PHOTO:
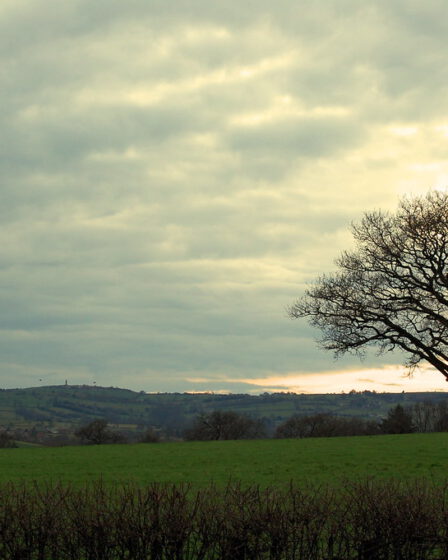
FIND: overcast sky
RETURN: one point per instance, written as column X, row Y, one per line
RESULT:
column 173, row 174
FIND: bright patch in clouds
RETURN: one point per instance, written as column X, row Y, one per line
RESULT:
column 404, row 130
column 386, row 379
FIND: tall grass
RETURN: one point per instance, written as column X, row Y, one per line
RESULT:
column 361, row 520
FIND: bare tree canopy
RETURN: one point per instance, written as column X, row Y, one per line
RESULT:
column 392, row 289
column 225, row 424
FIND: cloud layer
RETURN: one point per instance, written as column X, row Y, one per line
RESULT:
column 173, row 176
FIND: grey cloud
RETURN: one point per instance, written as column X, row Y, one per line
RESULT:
column 63, row 135
column 384, row 58
column 147, row 234
column 307, row 137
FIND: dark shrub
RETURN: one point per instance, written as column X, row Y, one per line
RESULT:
column 398, row 421
column 325, row 425
column 225, row 425
column 6, row 440
column 97, row 432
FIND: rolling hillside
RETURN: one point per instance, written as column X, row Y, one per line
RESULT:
column 68, row 406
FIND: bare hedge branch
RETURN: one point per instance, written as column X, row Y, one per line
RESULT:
column 361, row 520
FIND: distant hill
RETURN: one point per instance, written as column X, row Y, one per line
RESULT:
column 68, row 406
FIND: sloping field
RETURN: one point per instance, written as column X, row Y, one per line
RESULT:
column 264, row 462
column 68, row 406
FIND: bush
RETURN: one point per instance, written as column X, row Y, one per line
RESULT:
column 398, row 421
column 225, row 425
column 150, row 436
column 97, row 432
column 325, row 425
column 361, row 520
column 6, row 440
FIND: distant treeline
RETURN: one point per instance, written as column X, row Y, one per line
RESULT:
column 361, row 520
column 54, row 411
column 229, row 425
column 419, row 417
column 423, row 417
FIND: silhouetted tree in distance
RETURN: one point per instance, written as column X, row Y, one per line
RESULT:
column 149, row 436
column 224, row 425
column 325, row 425
column 441, row 424
column 392, row 290
column 98, row 432
column 6, row 440
column 398, row 421
column 428, row 416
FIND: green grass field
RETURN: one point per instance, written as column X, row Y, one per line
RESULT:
column 264, row 462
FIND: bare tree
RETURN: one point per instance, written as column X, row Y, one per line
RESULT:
column 398, row 421
column 430, row 417
column 424, row 416
column 325, row 425
column 97, row 432
column 392, row 289
column 150, row 436
column 6, row 440
column 224, row 425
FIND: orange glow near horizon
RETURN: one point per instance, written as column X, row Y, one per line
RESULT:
column 388, row 379
column 391, row 379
